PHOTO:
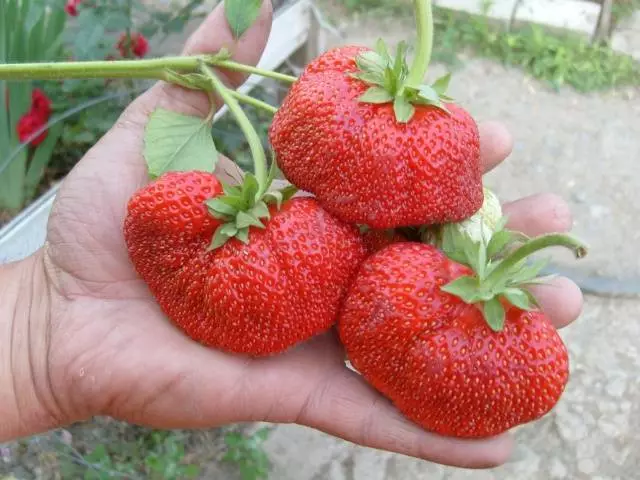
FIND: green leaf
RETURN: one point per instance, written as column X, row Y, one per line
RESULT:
column 260, row 210
column 376, row 95
column 250, row 189
column 241, row 14
column 245, row 220
column 370, row 78
column 371, row 62
column 400, row 66
column 494, row 314
column 404, row 111
column 427, row 93
column 219, row 238
column 228, row 229
column 498, row 242
column 383, row 51
column 442, row 84
column 465, row 288
column 527, row 273
column 518, row 298
column 243, row 235
column 220, row 209
column 176, row 142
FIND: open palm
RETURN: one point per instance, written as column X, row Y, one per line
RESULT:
column 114, row 353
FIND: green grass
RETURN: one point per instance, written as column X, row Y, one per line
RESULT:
column 552, row 57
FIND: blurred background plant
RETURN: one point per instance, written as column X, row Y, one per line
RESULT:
column 39, row 147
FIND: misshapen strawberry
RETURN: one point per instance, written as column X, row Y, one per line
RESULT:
column 461, row 351
column 259, row 297
column 375, row 146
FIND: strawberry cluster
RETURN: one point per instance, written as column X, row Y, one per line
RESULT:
column 401, row 248
column 35, row 119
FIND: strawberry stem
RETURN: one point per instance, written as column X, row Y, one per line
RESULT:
column 424, row 21
column 255, row 144
column 529, row 248
column 254, row 102
column 150, row 69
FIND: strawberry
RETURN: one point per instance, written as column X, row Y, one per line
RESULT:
column 374, row 145
column 458, row 346
column 259, row 292
column 376, row 240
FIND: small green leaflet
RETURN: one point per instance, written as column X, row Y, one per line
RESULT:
column 494, row 314
column 519, row 298
column 175, row 142
column 466, row 288
column 376, row 95
column 241, row 14
column 403, row 109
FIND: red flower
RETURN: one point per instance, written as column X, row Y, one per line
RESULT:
column 136, row 45
column 28, row 125
column 40, row 104
column 72, row 7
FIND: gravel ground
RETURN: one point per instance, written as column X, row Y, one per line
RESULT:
column 585, row 148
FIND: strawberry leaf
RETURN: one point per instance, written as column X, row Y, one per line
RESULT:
column 241, row 14
column 250, row 189
column 376, row 95
column 243, row 235
column 175, row 142
column 494, row 314
column 383, row 51
column 403, row 110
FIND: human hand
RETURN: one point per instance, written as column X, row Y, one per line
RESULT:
column 111, row 351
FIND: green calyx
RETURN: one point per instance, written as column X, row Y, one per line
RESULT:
column 501, row 271
column 244, row 206
column 389, row 80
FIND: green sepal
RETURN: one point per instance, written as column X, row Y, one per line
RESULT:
column 243, row 235
column 403, row 110
column 280, row 196
column 376, row 95
column 494, row 314
column 387, row 77
column 220, row 209
column 465, row 288
column 501, row 270
column 246, row 220
column 519, row 298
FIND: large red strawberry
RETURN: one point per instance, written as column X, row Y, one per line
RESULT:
column 257, row 293
column 375, row 145
column 462, row 352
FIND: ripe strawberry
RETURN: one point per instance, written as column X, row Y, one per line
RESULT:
column 462, row 352
column 374, row 147
column 256, row 295
column 376, row 240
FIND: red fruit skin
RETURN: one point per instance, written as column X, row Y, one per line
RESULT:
column 137, row 45
column 28, row 125
column 436, row 358
column 40, row 104
column 365, row 167
column 376, row 240
column 259, row 299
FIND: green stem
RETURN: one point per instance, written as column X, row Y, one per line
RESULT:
column 532, row 246
column 254, row 102
column 424, row 21
column 255, row 144
column 240, row 67
column 152, row 69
